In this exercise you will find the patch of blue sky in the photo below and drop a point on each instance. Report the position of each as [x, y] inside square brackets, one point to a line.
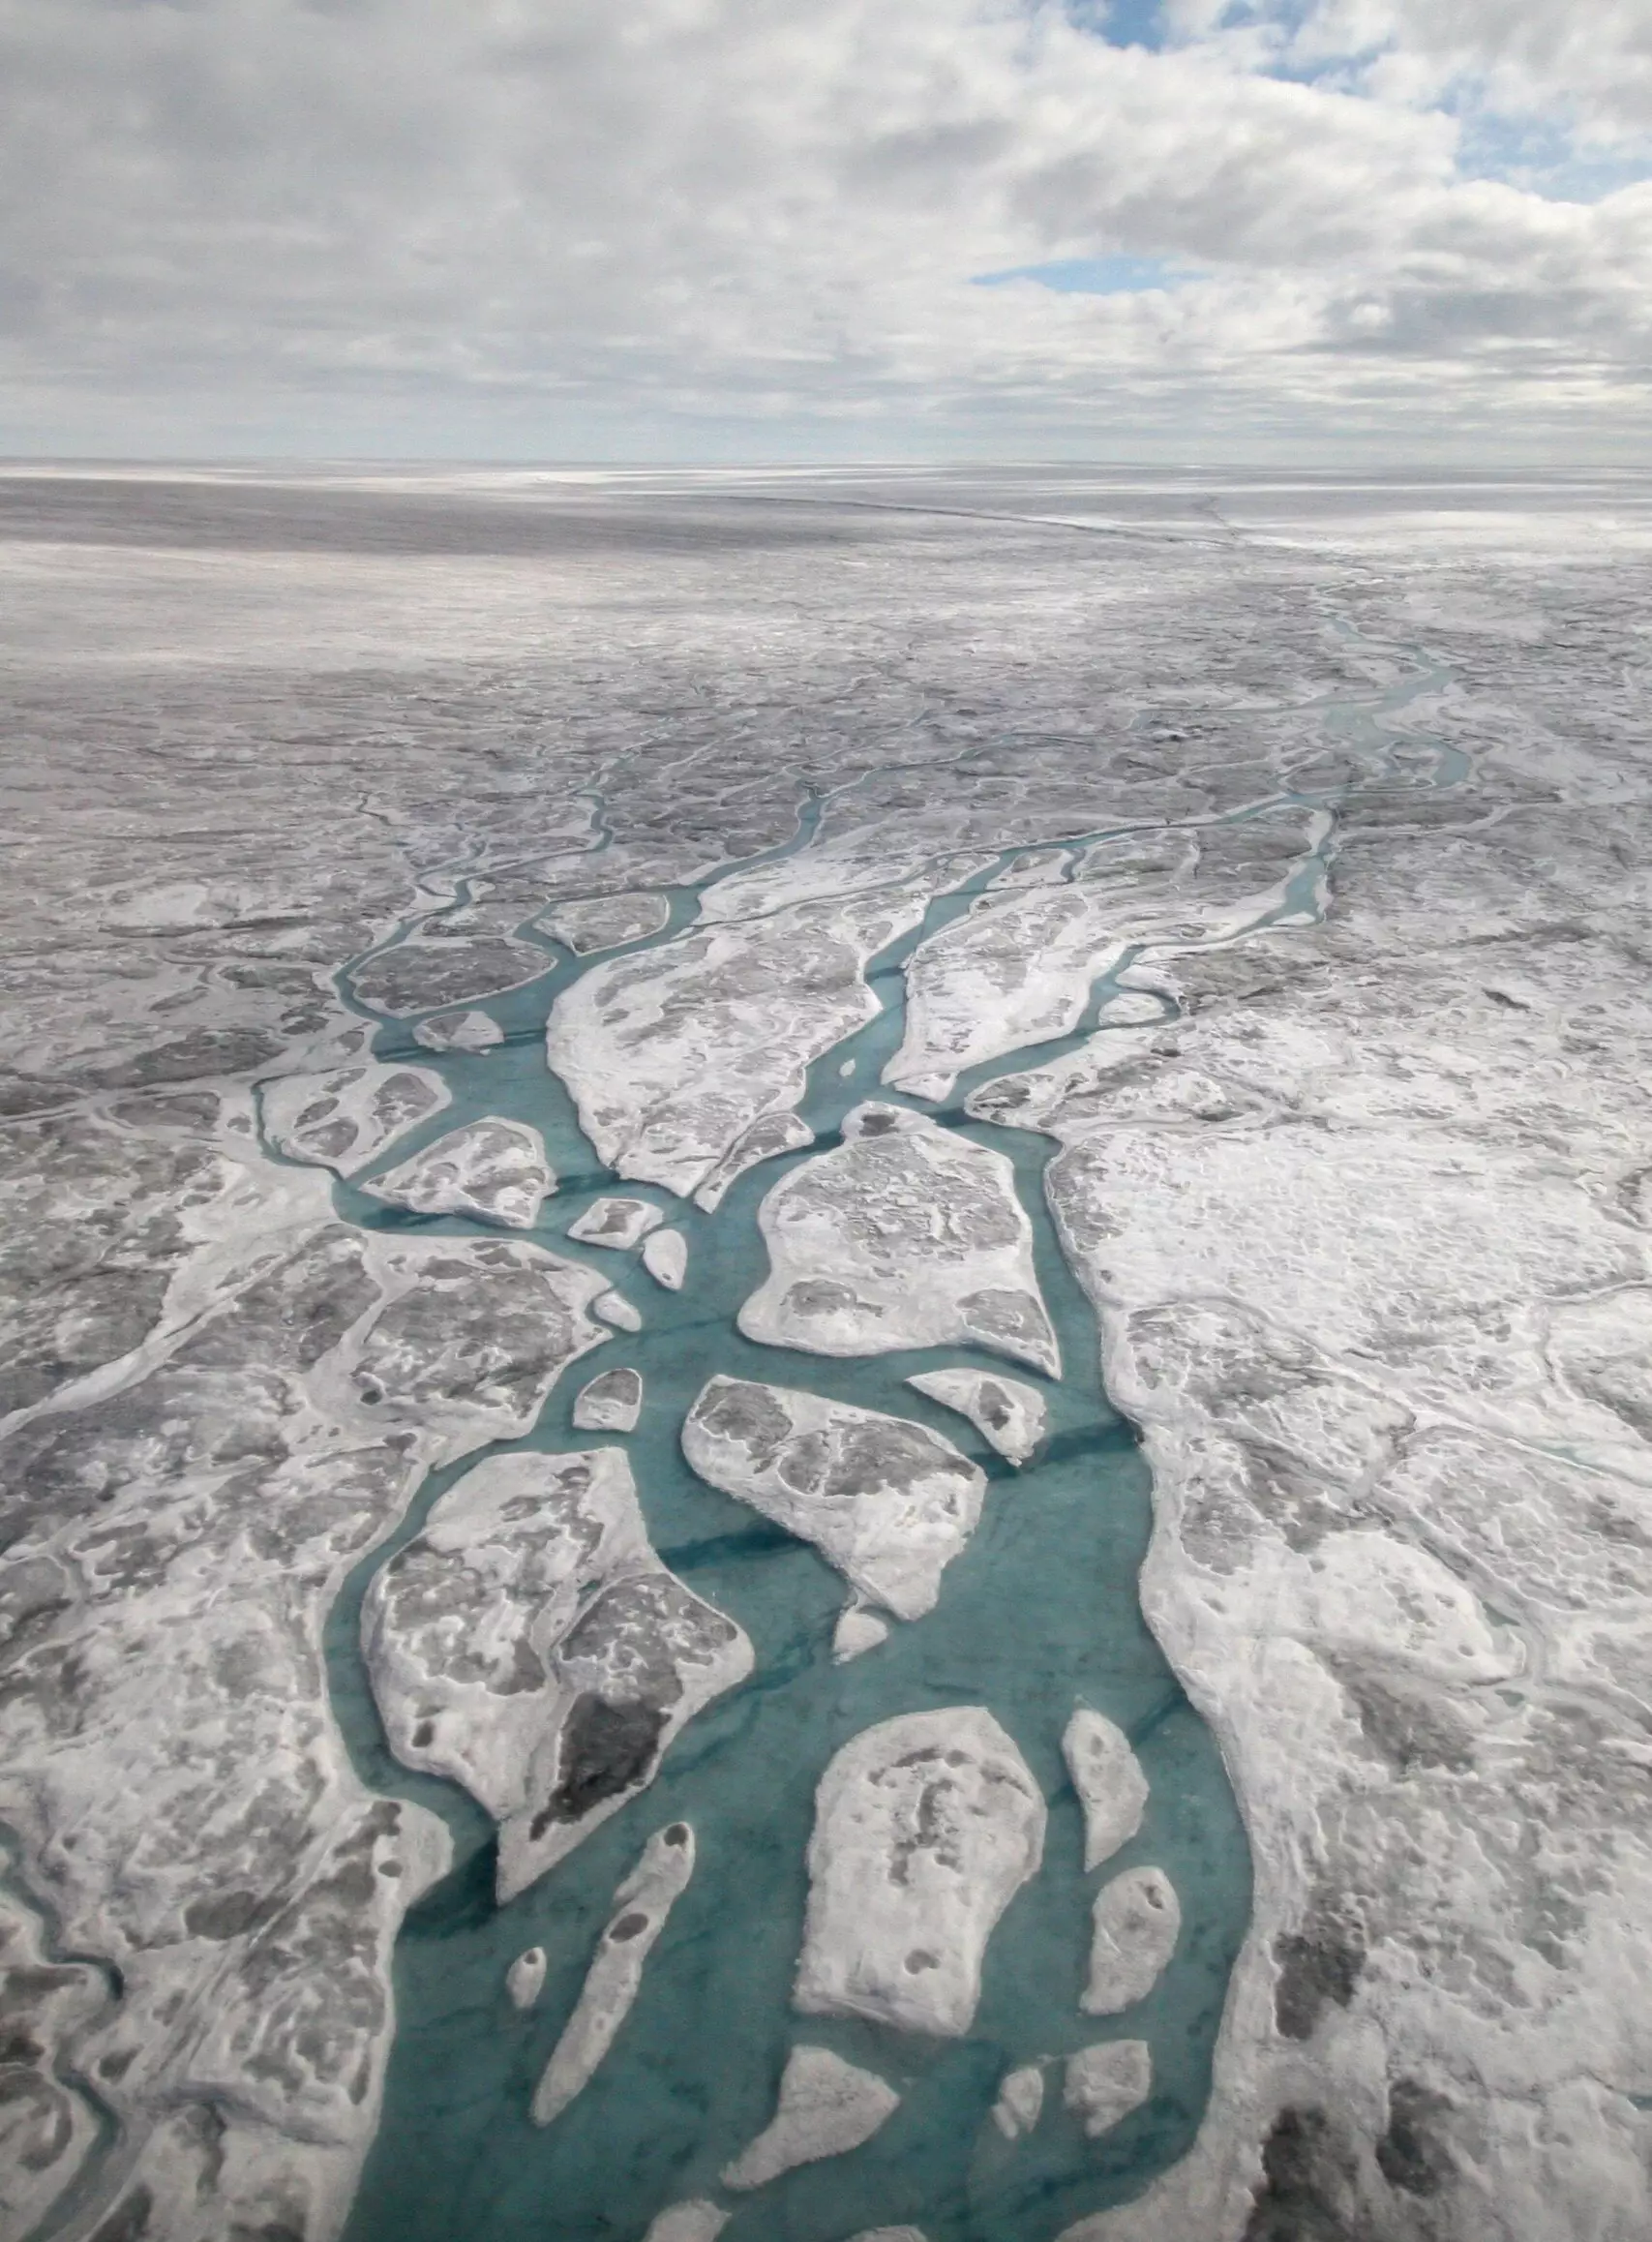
[1540, 155]
[1143, 23]
[1122, 23]
[1096, 276]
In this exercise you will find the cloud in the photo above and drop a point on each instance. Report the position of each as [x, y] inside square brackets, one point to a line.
[1589, 65]
[555, 225]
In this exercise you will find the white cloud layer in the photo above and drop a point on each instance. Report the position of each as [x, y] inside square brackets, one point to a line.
[557, 227]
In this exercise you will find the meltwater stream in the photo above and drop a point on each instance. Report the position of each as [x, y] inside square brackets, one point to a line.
[1038, 1614]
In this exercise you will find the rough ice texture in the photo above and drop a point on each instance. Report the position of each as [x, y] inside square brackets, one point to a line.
[489, 1328]
[435, 966]
[248, 787]
[859, 846]
[345, 1119]
[925, 1828]
[1136, 1922]
[665, 1256]
[1014, 970]
[642, 1906]
[1006, 1412]
[887, 1501]
[1103, 2084]
[827, 2107]
[621, 1222]
[173, 1540]
[495, 1172]
[530, 1645]
[904, 1236]
[605, 922]
[47, 2125]
[1383, 1316]
[613, 1308]
[612, 1403]
[673, 1054]
[459, 1030]
[1018, 968]
[1107, 1777]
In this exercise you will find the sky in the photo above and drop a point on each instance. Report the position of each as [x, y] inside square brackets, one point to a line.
[724, 231]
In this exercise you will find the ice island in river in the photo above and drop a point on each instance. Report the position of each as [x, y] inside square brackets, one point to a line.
[829, 1430]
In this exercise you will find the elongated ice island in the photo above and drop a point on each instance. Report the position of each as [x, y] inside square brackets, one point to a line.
[642, 1907]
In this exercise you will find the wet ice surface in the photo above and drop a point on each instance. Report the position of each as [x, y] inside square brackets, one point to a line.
[1265, 861]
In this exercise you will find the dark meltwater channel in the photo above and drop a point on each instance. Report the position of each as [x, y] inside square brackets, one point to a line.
[1038, 1616]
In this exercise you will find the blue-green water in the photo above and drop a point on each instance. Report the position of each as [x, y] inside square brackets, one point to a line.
[1040, 1614]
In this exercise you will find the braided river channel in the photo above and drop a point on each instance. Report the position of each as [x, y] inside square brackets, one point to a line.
[1040, 1614]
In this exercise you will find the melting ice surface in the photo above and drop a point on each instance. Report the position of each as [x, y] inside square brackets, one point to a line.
[1038, 1615]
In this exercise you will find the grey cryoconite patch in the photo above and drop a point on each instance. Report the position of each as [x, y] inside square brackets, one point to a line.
[344, 1120]
[904, 1235]
[887, 1501]
[529, 1644]
[1006, 1412]
[612, 1403]
[605, 922]
[495, 1172]
[459, 1030]
[621, 1222]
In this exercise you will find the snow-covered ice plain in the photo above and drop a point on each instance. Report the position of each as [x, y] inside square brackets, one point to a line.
[1182, 939]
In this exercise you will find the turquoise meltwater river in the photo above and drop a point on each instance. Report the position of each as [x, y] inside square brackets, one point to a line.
[1040, 1615]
